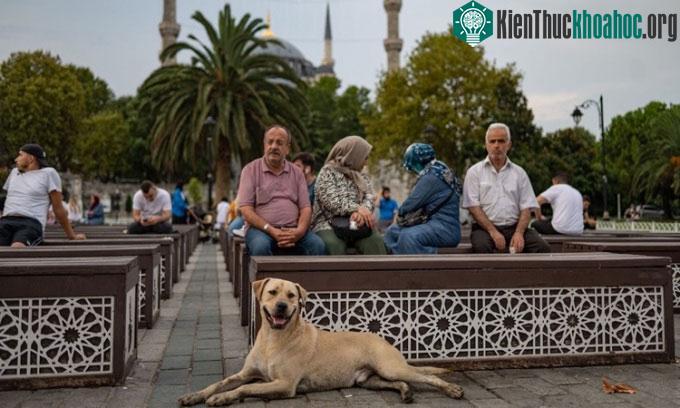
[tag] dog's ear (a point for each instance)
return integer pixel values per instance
(258, 287)
(302, 294)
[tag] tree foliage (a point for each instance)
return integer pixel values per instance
(658, 174)
(333, 116)
(229, 79)
(102, 146)
(41, 101)
(449, 85)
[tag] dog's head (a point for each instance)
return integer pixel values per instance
(280, 301)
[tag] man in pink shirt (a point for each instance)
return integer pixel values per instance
(274, 201)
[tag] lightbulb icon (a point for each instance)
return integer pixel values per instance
(473, 21)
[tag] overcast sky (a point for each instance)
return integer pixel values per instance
(119, 41)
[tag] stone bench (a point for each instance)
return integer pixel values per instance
(67, 322)
(168, 265)
(179, 254)
(670, 249)
(492, 311)
(557, 242)
(149, 300)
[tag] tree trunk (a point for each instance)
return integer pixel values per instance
(222, 172)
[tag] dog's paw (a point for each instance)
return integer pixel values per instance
(407, 396)
(454, 391)
(217, 401)
(190, 399)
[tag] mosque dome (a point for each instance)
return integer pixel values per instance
(292, 55)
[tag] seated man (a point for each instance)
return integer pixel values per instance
(31, 187)
(589, 222)
(567, 205)
(274, 201)
(151, 210)
(499, 196)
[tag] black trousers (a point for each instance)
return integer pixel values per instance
(483, 244)
(160, 228)
(544, 227)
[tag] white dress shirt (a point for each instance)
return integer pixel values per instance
(502, 194)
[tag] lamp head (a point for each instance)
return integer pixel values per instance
(577, 115)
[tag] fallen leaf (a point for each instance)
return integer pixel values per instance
(610, 388)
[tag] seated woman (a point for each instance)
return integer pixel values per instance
(342, 190)
(95, 213)
(433, 200)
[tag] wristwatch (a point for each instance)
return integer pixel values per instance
(266, 227)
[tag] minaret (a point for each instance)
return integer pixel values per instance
(169, 28)
(328, 41)
(393, 43)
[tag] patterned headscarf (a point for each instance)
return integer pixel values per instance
(420, 158)
(348, 157)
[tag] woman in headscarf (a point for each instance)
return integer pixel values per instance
(343, 190)
(433, 201)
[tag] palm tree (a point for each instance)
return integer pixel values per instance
(231, 80)
(659, 172)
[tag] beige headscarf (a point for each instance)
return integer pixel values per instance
(348, 156)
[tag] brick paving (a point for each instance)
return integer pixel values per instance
(198, 340)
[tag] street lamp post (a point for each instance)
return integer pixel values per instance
(209, 122)
(577, 115)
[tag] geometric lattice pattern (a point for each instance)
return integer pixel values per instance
(643, 226)
(163, 273)
(130, 324)
(676, 285)
(491, 323)
(156, 295)
(47, 337)
(142, 296)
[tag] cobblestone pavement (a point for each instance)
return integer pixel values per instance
(198, 340)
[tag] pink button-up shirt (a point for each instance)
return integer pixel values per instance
(278, 199)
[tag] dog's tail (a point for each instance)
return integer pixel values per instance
(431, 370)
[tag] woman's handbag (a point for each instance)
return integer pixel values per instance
(342, 226)
(416, 217)
(419, 216)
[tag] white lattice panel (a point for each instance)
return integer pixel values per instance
(643, 226)
(493, 323)
(142, 296)
(163, 275)
(156, 295)
(130, 324)
(50, 337)
(676, 284)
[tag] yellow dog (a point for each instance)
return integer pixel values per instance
(290, 355)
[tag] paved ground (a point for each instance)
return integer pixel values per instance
(199, 340)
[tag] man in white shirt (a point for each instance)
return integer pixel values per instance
(31, 187)
(222, 210)
(500, 198)
(567, 205)
(151, 210)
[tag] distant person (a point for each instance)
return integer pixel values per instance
(305, 162)
(180, 205)
(222, 212)
(499, 196)
(343, 190)
(589, 222)
(95, 211)
(387, 209)
(428, 218)
(31, 187)
(151, 208)
(567, 206)
(75, 213)
(274, 201)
